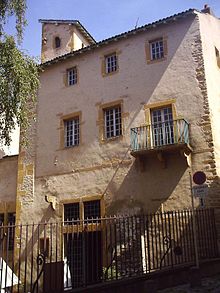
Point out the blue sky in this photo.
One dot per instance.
(102, 18)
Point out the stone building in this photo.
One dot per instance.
(120, 123)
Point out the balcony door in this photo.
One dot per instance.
(162, 127)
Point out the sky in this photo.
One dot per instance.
(102, 18)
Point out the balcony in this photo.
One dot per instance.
(162, 137)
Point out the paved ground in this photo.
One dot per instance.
(211, 285)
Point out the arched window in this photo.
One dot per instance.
(57, 42)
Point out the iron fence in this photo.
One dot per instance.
(53, 257)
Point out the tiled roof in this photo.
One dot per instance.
(121, 36)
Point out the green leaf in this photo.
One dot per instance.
(19, 81)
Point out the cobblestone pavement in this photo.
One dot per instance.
(211, 285)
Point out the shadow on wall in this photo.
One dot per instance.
(212, 199)
(142, 192)
(146, 191)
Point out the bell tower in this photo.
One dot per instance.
(60, 37)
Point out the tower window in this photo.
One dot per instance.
(57, 42)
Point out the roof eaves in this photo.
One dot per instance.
(57, 20)
(122, 35)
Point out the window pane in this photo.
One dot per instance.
(111, 63)
(92, 209)
(71, 211)
(157, 49)
(71, 132)
(112, 122)
(72, 76)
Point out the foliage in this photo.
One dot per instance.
(18, 86)
(16, 8)
(18, 74)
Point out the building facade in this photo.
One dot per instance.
(119, 125)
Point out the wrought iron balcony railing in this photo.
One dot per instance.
(159, 135)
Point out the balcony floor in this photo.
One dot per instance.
(169, 148)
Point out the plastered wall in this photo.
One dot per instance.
(107, 169)
(8, 183)
(210, 32)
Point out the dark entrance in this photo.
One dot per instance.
(84, 257)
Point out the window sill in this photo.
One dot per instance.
(110, 73)
(108, 140)
(69, 147)
(70, 85)
(156, 60)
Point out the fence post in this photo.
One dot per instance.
(217, 227)
(194, 223)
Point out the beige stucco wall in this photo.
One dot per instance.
(210, 32)
(78, 40)
(8, 183)
(107, 169)
(71, 40)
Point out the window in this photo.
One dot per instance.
(82, 241)
(71, 128)
(71, 212)
(111, 63)
(162, 126)
(72, 76)
(112, 118)
(92, 209)
(82, 210)
(57, 42)
(157, 49)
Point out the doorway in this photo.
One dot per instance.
(162, 127)
(83, 252)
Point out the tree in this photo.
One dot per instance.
(18, 73)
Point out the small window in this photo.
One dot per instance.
(57, 42)
(112, 122)
(71, 128)
(72, 76)
(71, 212)
(111, 63)
(157, 49)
